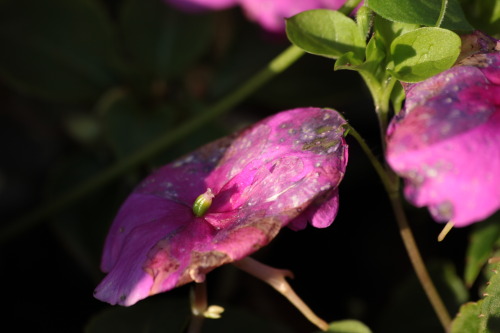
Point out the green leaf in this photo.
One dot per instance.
(484, 315)
(325, 32)
(422, 53)
(348, 61)
(484, 15)
(482, 242)
(423, 12)
(397, 97)
(57, 50)
(387, 30)
(363, 20)
(160, 41)
(348, 326)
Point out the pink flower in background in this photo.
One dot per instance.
(282, 171)
(270, 14)
(446, 141)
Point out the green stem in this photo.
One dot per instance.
(391, 184)
(442, 12)
(276, 66)
(379, 168)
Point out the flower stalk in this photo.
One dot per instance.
(391, 184)
(276, 278)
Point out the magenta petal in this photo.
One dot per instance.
(269, 175)
(446, 143)
(271, 14)
(127, 281)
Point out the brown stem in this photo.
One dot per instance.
(276, 279)
(391, 184)
(418, 263)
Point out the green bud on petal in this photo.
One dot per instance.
(203, 203)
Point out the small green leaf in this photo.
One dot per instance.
(422, 53)
(57, 50)
(363, 20)
(484, 315)
(325, 32)
(160, 41)
(482, 242)
(348, 61)
(423, 12)
(397, 97)
(387, 30)
(375, 54)
(348, 326)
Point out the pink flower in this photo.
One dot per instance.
(282, 171)
(446, 142)
(270, 14)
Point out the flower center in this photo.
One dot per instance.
(203, 203)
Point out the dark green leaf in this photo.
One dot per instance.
(325, 32)
(160, 41)
(423, 12)
(482, 242)
(397, 97)
(58, 50)
(484, 15)
(483, 316)
(422, 53)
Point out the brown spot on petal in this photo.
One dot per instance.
(160, 264)
(476, 60)
(270, 226)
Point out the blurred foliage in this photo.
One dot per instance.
(86, 83)
(484, 315)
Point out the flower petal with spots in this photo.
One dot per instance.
(446, 141)
(284, 170)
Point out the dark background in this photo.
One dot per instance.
(60, 126)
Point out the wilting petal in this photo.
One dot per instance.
(268, 176)
(446, 142)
